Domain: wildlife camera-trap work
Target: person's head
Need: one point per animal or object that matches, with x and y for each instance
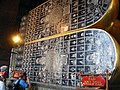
(3, 68)
(23, 76)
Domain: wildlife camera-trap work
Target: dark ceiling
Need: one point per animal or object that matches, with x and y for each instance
(11, 12)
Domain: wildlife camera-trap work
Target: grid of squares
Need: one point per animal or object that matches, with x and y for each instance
(60, 60)
(71, 53)
(48, 19)
(87, 12)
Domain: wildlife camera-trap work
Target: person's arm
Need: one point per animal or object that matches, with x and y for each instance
(28, 81)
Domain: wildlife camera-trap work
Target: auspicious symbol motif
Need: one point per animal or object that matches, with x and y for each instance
(87, 12)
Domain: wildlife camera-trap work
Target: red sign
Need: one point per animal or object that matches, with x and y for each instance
(97, 81)
(16, 74)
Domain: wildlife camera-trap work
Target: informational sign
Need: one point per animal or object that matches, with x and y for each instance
(96, 81)
(16, 74)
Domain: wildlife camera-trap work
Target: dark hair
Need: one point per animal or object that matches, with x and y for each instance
(23, 74)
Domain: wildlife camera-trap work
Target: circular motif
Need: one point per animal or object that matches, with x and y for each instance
(56, 15)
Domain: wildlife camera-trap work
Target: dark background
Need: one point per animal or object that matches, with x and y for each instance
(11, 12)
